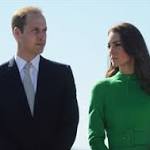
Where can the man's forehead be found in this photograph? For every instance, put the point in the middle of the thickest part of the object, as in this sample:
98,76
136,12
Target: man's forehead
35,18
31,16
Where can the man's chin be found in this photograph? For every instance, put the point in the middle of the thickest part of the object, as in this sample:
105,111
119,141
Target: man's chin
39,51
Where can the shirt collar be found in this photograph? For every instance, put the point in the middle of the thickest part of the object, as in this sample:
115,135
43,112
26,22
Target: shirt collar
35,61
21,62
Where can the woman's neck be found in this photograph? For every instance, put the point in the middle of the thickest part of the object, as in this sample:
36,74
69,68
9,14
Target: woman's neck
127,69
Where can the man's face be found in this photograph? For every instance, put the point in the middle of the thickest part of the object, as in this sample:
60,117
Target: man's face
32,40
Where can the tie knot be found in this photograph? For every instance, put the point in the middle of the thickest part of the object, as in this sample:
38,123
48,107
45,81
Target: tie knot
27,66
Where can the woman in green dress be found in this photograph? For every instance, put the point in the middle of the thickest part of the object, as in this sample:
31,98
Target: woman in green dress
120,104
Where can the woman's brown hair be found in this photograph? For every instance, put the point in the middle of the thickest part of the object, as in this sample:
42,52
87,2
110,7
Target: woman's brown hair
135,46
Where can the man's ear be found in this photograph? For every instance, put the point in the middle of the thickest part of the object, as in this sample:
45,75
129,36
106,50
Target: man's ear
16,32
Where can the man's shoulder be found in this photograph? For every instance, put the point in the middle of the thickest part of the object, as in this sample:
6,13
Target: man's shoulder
54,64
5,68
54,67
4,65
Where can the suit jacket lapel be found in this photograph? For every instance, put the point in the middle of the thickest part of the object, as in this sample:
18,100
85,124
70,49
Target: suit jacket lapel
14,76
44,89
40,85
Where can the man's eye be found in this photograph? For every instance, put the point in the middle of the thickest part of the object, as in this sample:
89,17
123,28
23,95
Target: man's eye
35,30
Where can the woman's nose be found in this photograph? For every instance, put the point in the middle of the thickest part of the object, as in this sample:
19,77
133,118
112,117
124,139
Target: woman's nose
112,50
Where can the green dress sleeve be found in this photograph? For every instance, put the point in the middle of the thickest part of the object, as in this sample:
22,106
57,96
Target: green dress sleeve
96,118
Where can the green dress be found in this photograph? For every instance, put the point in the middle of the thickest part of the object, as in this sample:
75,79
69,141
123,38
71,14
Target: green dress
120,110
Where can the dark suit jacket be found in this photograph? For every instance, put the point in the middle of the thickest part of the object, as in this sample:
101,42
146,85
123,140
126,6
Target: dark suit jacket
55,120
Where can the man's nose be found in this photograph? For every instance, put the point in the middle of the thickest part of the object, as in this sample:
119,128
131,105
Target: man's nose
41,36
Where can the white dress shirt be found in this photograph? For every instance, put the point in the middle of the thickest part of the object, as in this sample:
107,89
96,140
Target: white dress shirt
34,69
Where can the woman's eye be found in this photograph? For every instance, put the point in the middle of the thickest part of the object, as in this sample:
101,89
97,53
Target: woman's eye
118,44
108,46
114,45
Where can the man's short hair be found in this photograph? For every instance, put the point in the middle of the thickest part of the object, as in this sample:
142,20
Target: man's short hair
19,16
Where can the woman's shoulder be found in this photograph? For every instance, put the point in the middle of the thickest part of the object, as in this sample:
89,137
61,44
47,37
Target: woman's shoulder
99,91
104,83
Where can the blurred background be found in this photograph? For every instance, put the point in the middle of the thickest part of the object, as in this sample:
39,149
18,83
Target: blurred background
77,35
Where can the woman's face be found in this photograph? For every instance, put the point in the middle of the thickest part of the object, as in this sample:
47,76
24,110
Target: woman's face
118,55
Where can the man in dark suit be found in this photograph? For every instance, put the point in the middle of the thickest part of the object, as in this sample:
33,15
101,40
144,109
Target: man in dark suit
49,120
